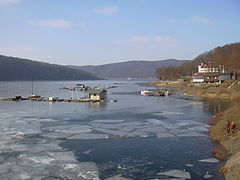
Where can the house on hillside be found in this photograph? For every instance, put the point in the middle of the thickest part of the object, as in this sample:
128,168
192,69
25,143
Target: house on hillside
97,94
209,73
210,67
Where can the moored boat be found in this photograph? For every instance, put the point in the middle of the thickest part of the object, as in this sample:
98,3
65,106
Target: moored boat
147,93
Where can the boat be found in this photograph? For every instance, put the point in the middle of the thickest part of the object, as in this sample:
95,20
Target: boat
147,93
52,99
33,97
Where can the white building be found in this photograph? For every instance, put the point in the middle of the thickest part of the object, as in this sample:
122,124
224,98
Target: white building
209,67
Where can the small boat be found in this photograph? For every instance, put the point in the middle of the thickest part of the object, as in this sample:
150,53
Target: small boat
147,93
33,97
52,99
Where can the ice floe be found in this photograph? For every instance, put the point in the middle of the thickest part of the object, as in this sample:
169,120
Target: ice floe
25,155
177,173
89,136
108,121
164,135
112,132
88,151
72,128
207,176
57,135
17,137
189,165
35,148
209,160
76,171
118,177
192,134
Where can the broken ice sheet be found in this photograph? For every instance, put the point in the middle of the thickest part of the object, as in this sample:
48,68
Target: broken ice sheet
138,133
177,173
57,135
153,129
107,126
164,135
73,129
134,124
192,134
178,131
89,136
118,177
27,128
209,160
199,128
36,159
108,121
189,122
168,113
63,156
74,171
126,128
112,132
34,147
158,122
46,120
4,168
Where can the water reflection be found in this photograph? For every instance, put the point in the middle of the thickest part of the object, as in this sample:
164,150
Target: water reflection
216,107
98,105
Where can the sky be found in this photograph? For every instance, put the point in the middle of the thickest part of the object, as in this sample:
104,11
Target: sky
94,32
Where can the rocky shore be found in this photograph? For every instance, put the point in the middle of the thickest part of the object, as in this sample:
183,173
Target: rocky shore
227,145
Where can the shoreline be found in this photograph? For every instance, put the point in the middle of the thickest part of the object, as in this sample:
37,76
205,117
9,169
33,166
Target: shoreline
227,146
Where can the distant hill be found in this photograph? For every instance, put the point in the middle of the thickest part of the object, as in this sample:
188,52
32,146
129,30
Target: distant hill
14,69
228,55
129,69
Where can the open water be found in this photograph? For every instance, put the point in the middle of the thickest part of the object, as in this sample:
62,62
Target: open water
135,138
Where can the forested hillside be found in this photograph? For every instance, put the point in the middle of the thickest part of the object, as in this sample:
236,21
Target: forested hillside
228,55
14,69
130,69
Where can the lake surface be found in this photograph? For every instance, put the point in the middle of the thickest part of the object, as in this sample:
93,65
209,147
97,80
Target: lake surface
135,138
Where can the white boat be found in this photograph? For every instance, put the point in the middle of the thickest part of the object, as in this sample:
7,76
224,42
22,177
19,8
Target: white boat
147,93
53,98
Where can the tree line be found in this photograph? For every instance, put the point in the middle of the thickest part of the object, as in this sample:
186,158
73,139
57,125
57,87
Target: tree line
228,56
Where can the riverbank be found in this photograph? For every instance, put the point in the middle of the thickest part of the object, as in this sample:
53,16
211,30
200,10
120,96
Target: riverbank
227,145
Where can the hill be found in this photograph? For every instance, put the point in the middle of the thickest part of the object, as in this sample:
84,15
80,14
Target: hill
14,69
228,55
129,69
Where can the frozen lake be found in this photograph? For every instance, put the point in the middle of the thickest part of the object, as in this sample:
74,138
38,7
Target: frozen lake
136,138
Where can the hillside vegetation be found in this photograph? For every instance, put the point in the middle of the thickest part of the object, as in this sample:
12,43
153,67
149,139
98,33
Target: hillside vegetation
15,69
228,55
130,69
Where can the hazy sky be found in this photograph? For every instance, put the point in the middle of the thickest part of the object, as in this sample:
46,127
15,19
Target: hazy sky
82,32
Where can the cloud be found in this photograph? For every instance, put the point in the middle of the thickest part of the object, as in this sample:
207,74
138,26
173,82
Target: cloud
5,2
60,23
201,20
107,10
147,39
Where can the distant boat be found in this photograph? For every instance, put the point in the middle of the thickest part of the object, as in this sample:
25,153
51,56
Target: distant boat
147,93
33,96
